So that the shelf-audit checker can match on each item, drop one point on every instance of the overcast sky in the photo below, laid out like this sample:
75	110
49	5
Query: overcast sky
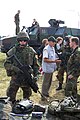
42	10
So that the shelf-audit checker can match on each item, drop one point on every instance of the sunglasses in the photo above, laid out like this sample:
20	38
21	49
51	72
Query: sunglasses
22	40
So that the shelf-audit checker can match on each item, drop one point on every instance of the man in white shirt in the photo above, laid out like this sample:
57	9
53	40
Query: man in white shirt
49	65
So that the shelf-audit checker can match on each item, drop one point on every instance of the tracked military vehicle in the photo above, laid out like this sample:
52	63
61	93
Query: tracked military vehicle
43	32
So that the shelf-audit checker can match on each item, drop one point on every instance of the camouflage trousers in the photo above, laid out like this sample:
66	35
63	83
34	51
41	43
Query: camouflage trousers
60	75
71	87
14	86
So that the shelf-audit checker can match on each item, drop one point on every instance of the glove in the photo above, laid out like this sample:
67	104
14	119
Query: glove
34	86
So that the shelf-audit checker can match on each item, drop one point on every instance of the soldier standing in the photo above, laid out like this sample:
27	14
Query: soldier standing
73	68
64	56
17	22
58	47
26	56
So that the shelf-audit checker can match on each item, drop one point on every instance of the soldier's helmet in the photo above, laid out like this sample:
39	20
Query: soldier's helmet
23	36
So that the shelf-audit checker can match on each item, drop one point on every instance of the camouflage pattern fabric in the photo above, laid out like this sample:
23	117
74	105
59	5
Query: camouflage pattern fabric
71	87
60	75
66	52
26	56
73	68
14	86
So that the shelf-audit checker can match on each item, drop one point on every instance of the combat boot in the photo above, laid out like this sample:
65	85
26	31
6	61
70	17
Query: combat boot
59	87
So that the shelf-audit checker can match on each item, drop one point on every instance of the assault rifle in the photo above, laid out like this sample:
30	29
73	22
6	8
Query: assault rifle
24	70
27	75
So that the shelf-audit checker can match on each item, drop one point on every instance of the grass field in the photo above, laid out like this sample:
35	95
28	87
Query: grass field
4	82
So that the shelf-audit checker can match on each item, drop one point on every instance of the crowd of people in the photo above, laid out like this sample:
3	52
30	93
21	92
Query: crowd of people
23	63
53	54
62	55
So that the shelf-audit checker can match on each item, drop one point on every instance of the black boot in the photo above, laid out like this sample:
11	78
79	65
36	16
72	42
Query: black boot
60	86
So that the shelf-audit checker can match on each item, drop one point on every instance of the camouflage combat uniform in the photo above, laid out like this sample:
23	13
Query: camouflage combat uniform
26	56
73	68
66	52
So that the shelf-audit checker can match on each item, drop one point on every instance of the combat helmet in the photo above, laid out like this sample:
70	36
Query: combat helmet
23	36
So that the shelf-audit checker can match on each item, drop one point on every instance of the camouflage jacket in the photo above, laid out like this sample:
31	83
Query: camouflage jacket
26	56
64	56
73	66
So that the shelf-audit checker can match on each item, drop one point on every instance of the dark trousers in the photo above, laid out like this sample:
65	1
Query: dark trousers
60	75
71	87
13	88
17	28
46	83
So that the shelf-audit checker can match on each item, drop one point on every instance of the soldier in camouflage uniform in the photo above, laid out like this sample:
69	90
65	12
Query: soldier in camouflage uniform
26	56
73	68
64	56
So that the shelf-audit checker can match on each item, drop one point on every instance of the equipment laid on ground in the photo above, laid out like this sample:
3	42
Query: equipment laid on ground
23	107
26	108
39	108
68	107
37	114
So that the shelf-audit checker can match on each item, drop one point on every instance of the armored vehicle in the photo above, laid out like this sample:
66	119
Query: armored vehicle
43	32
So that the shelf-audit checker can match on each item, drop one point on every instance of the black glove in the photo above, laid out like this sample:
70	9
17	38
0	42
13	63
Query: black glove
34	86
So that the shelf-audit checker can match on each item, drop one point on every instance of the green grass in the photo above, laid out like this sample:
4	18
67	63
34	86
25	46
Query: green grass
3	76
